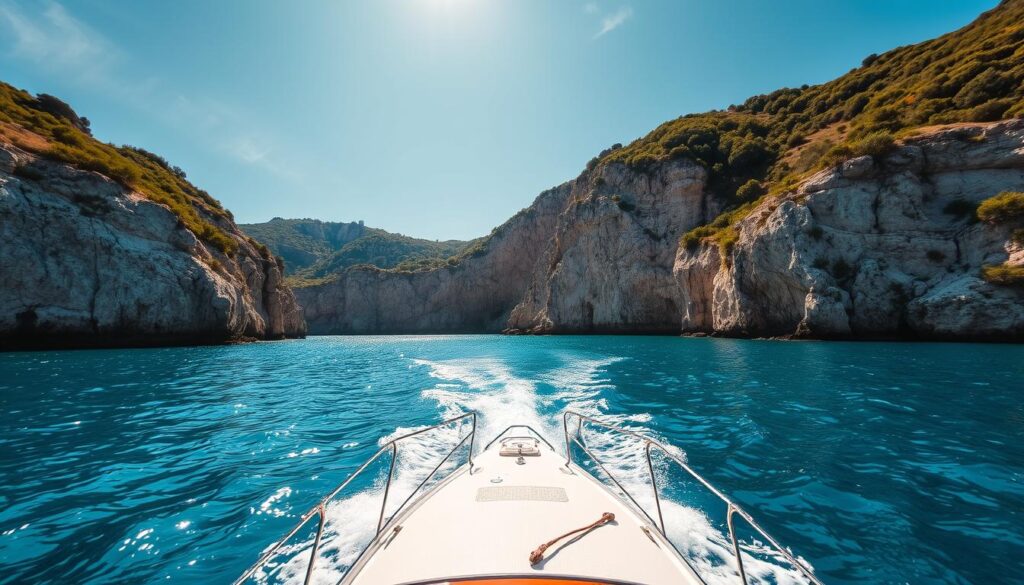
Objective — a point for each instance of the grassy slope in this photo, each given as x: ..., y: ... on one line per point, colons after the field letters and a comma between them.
x: 316, y: 251
x: 763, y: 146
x: 303, y: 242
x: 386, y: 250
x: 61, y: 137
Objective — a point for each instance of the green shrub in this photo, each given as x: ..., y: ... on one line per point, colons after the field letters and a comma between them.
x: 726, y: 240
x: 722, y: 221
x: 60, y: 109
x: 795, y: 141
x: 989, y: 111
x: 1005, y: 207
x: 875, y: 144
x: 731, y: 147
x: 855, y: 106
x: 985, y: 86
x: 752, y: 189
x: 816, y: 232
x: 68, y: 140
x: 69, y: 136
x: 693, y: 238
x: 886, y: 118
x: 1003, y: 274
x: 811, y: 155
x: 837, y: 155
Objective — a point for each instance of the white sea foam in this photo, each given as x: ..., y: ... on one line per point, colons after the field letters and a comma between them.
x: 490, y: 388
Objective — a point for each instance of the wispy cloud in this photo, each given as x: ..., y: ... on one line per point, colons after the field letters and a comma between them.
x: 47, y: 36
x: 610, y: 22
x: 248, y: 149
x: 55, y: 41
x: 258, y: 151
x: 591, y: 8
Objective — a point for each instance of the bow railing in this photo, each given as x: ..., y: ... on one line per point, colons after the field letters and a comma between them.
x: 319, y: 511
x: 731, y: 508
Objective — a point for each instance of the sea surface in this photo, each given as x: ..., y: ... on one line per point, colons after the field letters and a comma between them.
x: 874, y: 462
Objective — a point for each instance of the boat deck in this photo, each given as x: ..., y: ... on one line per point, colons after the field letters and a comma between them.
x: 486, y: 523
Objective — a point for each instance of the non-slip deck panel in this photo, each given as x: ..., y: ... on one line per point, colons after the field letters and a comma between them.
x: 513, y: 493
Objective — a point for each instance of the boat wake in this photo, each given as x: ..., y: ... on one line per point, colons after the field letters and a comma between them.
x: 501, y: 399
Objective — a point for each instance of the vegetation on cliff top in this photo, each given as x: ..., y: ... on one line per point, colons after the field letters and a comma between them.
x: 386, y: 251
x: 975, y: 74
x: 50, y: 128
x: 1005, y: 207
x: 1004, y: 274
x: 316, y: 251
x: 303, y: 242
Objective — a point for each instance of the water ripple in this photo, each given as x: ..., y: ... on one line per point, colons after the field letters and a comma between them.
x: 879, y: 463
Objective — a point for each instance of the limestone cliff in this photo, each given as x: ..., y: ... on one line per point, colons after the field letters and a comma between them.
x: 87, y: 262
x: 475, y: 295
x: 607, y: 264
x: 594, y: 254
x: 885, y: 245
x: 873, y: 248
x: 876, y: 247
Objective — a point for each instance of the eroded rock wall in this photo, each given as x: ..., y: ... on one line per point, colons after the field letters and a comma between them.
x: 84, y: 262
x: 869, y: 249
x: 475, y: 295
x: 872, y: 249
x: 594, y: 254
x: 608, y: 265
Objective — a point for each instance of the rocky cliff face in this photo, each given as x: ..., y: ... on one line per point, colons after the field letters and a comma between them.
x: 874, y: 248
x: 85, y: 262
x: 594, y: 254
x: 475, y: 295
x: 607, y: 264
x: 869, y: 249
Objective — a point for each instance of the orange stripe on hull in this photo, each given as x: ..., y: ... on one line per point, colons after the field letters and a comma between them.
x: 525, y: 581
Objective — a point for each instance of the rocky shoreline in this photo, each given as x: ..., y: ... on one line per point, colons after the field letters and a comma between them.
x: 865, y: 250
x: 872, y: 249
x: 89, y: 263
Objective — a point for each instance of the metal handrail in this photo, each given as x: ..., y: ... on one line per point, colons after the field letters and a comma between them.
x: 731, y: 507
x: 527, y: 427
x: 320, y: 508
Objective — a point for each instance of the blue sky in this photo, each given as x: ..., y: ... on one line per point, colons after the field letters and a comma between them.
x: 433, y: 118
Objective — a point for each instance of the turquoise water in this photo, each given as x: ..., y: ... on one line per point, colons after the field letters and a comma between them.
x: 876, y: 462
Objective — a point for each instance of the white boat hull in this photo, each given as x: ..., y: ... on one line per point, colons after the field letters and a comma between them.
x: 484, y: 523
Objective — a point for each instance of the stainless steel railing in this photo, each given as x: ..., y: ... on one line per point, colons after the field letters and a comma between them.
x: 320, y: 509
x: 526, y: 427
x: 650, y: 444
